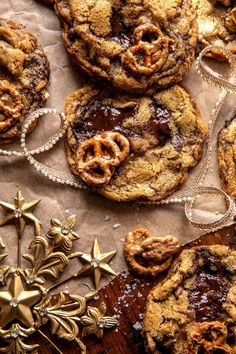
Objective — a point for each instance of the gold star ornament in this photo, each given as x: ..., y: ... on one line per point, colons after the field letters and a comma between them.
x: 20, y: 212
x: 25, y: 301
x: 16, y: 303
x: 95, y: 263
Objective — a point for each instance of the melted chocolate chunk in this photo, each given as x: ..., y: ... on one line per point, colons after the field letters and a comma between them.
x: 120, y: 33
x: 210, y: 288
x: 97, y: 118
x: 158, y: 125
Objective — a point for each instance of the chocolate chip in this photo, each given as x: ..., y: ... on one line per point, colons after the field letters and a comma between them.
x: 210, y: 288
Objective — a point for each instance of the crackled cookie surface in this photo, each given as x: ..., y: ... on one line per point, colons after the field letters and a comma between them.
x: 216, y: 23
x: 24, y: 75
x: 135, y: 45
x: 227, y: 157
x: 165, y: 132
x: 194, y: 309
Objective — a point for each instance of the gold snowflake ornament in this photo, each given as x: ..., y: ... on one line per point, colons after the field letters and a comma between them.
x: 25, y: 301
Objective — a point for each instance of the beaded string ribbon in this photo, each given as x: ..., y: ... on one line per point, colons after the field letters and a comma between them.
x: 188, y: 195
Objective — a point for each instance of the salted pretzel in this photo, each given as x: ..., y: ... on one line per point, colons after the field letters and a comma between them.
x: 10, y: 105
x: 210, y: 337
x: 147, y: 254
x: 97, y: 157
x: 151, y: 46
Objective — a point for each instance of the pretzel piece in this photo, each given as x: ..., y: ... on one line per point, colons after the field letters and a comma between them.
x: 147, y: 254
x: 210, y: 336
x: 10, y: 105
x: 97, y: 157
x: 150, y: 53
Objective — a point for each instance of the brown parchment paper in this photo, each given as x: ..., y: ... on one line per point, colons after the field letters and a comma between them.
x: 96, y: 217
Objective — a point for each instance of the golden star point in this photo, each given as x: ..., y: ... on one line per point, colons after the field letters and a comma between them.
x: 16, y: 303
x: 20, y: 212
x: 95, y: 263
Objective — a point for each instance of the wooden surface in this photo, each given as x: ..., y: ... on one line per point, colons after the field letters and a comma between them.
x: 125, y: 297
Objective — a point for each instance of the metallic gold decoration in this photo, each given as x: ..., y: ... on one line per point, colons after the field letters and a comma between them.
x: 16, y: 302
x: 15, y: 335
x: 2, y: 247
x: 25, y: 303
x: 96, y: 263
x: 95, y: 321
x: 62, y: 234
x: 20, y: 211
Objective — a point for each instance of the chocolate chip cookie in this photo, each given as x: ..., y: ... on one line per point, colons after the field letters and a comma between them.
x: 134, y: 45
x: 165, y: 133
x: 227, y: 157
x: 193, y: 310
x: 24, y: 75
x: 216, y: 24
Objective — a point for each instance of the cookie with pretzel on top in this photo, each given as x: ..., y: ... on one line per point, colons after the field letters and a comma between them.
x: 192, y: 310
x: 132, y: 45
x: 133, y: 148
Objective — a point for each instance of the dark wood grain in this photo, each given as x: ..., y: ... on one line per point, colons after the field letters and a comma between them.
x: 125, y: 297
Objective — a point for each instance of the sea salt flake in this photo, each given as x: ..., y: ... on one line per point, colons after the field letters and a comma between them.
x: 116, y: 226
x: 137, y: 326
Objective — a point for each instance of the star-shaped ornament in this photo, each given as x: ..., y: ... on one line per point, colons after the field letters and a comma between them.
x: 20, y: 212
x: 16, y: 303
x: 96, y: 263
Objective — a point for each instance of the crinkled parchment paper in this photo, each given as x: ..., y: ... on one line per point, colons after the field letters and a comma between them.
x: 96, y: 216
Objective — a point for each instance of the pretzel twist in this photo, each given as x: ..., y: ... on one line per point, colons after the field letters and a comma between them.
x: 210, y: 336
x: 150, y: 53
x: 155, y: 253
x: 10, y: 105
x: 97, y: 157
